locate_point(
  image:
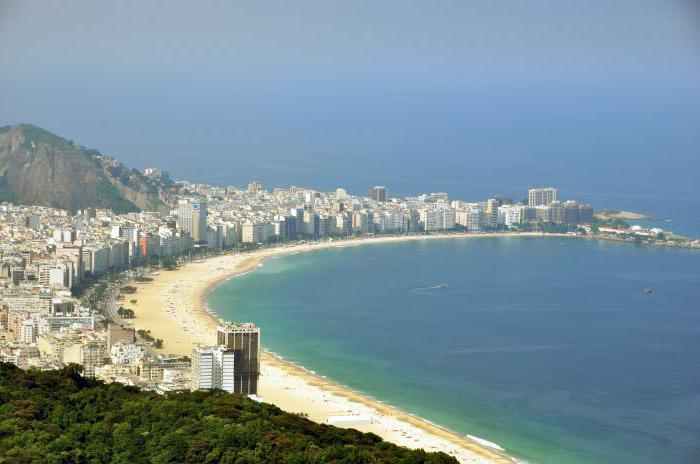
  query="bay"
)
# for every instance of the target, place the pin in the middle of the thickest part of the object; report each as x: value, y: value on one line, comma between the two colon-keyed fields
x: 549, y: 347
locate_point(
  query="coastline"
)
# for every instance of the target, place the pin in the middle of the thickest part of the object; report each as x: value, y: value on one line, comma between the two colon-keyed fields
x: 173, y: 308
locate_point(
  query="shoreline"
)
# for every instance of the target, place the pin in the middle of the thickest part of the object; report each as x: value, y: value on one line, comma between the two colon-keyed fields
x: 173, y: 306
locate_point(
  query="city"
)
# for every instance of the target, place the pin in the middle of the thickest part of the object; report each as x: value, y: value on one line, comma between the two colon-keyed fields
x: 52, y: 263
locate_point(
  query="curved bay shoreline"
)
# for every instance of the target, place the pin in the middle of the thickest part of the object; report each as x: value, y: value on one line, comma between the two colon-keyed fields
x: 173, y: 307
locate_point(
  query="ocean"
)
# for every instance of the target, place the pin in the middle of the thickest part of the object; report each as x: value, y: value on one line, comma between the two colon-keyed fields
x: 549, y: 347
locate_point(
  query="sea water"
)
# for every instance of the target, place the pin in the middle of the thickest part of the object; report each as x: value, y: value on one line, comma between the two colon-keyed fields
x: 549, y: 347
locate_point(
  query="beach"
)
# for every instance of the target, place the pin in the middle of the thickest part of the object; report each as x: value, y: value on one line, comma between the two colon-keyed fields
x: 173, y: 308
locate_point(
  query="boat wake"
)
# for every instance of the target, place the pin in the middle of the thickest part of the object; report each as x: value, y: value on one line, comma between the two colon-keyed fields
x: 432, y: 287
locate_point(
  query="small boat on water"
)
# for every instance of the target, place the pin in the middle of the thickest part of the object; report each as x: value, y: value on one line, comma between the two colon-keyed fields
x: 442, y: 285
x: 647, y: 291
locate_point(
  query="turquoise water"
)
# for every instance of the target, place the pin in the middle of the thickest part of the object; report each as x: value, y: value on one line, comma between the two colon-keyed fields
x: 549, y: 347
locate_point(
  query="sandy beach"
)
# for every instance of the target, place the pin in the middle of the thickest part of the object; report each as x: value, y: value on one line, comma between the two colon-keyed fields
x: 173, y: 308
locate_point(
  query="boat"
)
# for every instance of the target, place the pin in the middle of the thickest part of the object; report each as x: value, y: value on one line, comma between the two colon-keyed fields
x: 442, y: 285
x: 647, y: 291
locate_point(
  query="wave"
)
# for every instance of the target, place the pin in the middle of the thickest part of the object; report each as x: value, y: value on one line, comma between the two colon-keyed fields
x: 487, y: 443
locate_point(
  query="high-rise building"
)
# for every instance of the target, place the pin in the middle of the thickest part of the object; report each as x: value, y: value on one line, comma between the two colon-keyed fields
x: 28, y: 331
x: 256, y: 232
x: 254, y: 187
x: 244, y: 341
x: 509, y: 215
x: 585, y: 214
x: 542, y: 196
x: 380, y: 193
x: 311, y: 224
x: 290, y: 228
x: 93, y: 354
x: 491, y: 212
x: 213, y: 367
x: 192, y: 217
x: 203, y: 372
x: 470, y: 217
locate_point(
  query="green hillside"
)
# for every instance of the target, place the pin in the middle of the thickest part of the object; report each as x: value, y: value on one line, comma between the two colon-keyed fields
x: 61, y: 417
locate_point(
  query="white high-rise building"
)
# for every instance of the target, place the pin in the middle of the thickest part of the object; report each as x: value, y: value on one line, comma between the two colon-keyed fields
x: 436, y: 219
x: 509, y: 215
x: 542, y: 196
x: 28, y: 331
x: 213, y: 367
x: 469, y: 217
x: 203, y: 370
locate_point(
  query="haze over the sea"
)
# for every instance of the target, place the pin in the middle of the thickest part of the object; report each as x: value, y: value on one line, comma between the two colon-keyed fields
x: 471, y: 97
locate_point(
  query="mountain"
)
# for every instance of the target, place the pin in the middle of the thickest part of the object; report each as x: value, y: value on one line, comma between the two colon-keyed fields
x: 41, y: 168
x: 59, y: 416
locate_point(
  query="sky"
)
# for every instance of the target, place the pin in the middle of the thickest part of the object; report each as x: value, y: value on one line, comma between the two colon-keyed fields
x: 472, y: 97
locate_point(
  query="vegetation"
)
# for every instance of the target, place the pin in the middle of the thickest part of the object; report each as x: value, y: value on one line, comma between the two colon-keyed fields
x: 61, y: 417
x: 126, y: 313
x: 128, y: 289
x: 602, y: 221
x: 169, y: 262
x: 146, y: 335
x: 143, y: 279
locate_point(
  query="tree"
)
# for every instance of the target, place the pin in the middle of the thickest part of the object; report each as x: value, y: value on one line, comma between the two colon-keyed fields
x: 60, y: 416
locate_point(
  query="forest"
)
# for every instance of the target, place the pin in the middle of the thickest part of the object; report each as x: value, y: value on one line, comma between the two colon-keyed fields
x: 60, y: 416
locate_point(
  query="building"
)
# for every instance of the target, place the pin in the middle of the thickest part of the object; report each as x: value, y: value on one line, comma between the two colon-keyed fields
x: 55, y: 274
x: 380, y: 193
x: 509, y: 215
x: 244, y: 340
x: 92, y: 354
x: 542, y: 196
x: 192, y: 216
x: 311, y: 224
x: 469, y: 217
x: 156, y: 173
x: 126, y: 353
x: 491, y: 212
x: 213, y: 367
x: 254, y: 187
x: 437, y: 219
x: 152, y: 371
x: 256, y: 233
x: 28, y: 331
x: 203, y: 372
x: 95, y: 259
